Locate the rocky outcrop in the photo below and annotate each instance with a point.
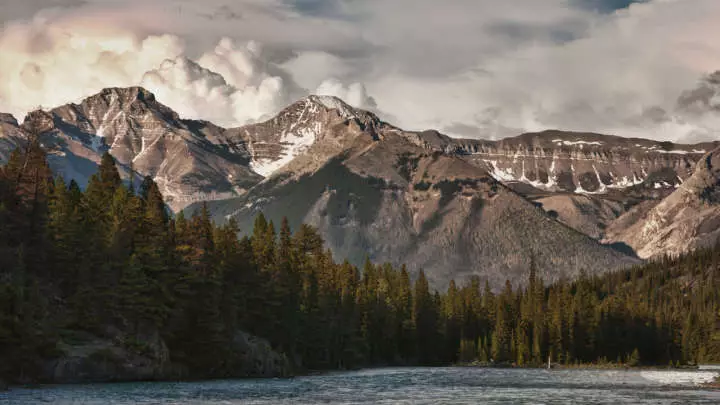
(89, 358)
(256, 358)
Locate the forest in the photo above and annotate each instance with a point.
(112, 255)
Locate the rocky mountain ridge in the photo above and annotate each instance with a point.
(584, 163)
(141, 132)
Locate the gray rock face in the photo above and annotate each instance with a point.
(688, 218)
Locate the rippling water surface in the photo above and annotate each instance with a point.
(401, 386)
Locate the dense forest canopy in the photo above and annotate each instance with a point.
(111, 256)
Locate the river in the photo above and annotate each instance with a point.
(452, 385)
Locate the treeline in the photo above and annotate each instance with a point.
(663, 313)
(113, 257)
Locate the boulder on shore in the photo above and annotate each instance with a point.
(118, 357)
(144, 356)
(255, 357)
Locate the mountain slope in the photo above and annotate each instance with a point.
(390, 196)
(687, 219)
(588, 214)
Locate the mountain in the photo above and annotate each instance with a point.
(687, 219)
(394, 196)
(190, 160)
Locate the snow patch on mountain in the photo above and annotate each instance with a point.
(294, 144)
(500, 174)
(571, 143)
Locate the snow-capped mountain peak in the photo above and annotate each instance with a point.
(296, 129)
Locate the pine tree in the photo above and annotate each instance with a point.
(425, 318)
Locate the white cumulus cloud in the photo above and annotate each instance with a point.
(355, 93)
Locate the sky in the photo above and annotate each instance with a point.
(468, 68)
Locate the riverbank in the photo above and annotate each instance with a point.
(416, 385)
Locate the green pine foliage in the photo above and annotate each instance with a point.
(110, 258)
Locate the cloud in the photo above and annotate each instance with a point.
(480, 68)
(50, 63)
(355, 94)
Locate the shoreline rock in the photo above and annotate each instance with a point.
(144, 356)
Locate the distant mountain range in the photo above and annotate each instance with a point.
(453, 207)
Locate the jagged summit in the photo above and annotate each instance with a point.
(316, 127)
(119, 104)
(335, 103)
(124, 97)
(314, 107)
(127, 94)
